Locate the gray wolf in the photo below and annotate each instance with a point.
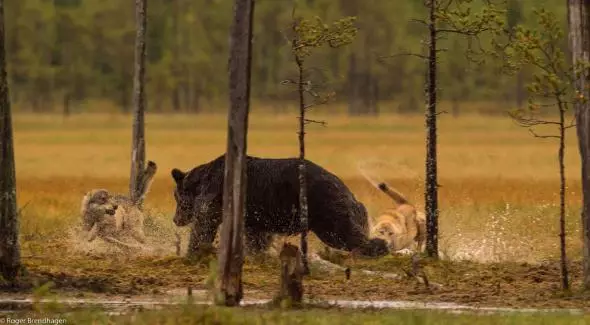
(114, 217)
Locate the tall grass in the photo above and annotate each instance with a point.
(499, 184)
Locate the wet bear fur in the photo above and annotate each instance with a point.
(272, 205)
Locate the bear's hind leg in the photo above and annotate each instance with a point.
(257, 242)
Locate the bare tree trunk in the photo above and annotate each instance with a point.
(303, 211)
(176, 106)
(579, 39)
(9, 247)
(564, 272)
(231, 252)
(353, 86)
(139, 101)
(519, 89)
(66, 104)
(431, 162)
(455, 106)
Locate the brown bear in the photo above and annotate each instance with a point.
(272, 205)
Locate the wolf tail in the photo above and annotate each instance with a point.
(393, 193)
(390, 191)
(146, 180)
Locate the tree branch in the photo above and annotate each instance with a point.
(309, 121)
(543, 136)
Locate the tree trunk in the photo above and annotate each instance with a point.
(579, 39)
(564, 272)
(455, 106)
(353, 87)
(519, 89)
(231, 252)
(9, 247)
(375, 97)
(66, 104)
(303, 211)
(431, 163)
(176, 106)
(139, 101)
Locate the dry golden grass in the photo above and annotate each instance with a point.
(498, 197)
(497, 180)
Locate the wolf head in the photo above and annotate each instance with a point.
(95, 205)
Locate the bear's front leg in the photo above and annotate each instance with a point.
(200, 236)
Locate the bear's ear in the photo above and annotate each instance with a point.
(178, 175)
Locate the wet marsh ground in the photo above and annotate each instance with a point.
(498, 199)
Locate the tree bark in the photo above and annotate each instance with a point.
(139, 102)
(9, 246)
(564, 271)
(176, 106)
(303, 210)
(66, 104)
(519, 93)
(231, 253)
(431, 159)
(579, 40)
(354, 98)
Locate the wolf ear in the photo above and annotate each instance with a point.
(178, 175)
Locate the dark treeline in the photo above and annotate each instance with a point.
(65, 53)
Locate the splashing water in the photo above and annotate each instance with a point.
(161, 240)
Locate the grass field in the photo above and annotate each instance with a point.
(498, 200)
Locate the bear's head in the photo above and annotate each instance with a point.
(198, 194)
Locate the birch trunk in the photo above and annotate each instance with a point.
(229, 291)
(139, 101)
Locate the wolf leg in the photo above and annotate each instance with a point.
(93, 233)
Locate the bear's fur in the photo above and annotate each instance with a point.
(272, 205)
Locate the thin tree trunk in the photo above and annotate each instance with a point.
(564, 272)
(353, 86)
(231, 252)
(66, 104)
(455, 106)
(579, 39)
(176, 106)
(139, 101)
(519, 89)
(375, 97)
(431, 162)
(302, 173)
(9, 246)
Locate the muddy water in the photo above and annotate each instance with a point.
(113, 305)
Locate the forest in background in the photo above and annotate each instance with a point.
(64, 54)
